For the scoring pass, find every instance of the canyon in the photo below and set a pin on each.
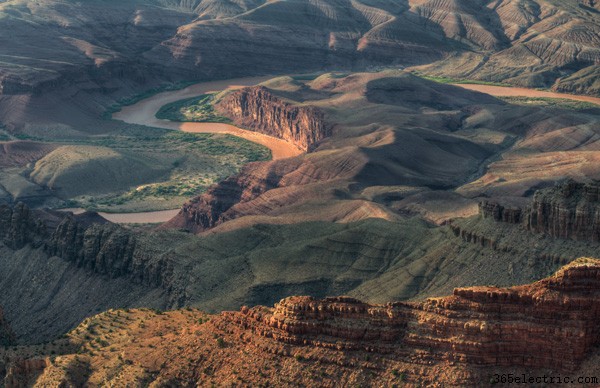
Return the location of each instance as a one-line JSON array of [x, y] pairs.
[[543, 43], [463, 339], [386, 186], [319, 222], [265, 191]]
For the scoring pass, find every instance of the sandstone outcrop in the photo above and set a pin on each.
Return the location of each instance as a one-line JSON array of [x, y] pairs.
[[22, 372], [87, 241], [258, 109], [217, 204], [523, 326], [499, 212], [547, 328]]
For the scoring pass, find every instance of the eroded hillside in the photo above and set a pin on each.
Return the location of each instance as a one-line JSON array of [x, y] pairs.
[[399, 189], [399, 199], [458, 340], [73, 60], [387, 145]]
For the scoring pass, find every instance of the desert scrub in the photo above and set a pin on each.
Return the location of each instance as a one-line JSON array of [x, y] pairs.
[[125, 101], [448, 80], [198, 109], [562, 103], [191, 163]]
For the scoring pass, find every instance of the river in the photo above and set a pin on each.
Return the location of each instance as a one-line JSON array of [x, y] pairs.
[[144, 111]]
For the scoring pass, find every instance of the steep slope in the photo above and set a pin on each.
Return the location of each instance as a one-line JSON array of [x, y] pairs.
[[567, 211], [538, 44], [259, 109], [61, 58], [72, 61], [388, 145], [57, 269], [374, 211], [448, 341]]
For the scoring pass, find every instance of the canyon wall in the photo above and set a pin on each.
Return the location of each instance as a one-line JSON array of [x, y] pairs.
[[547, 328], [570, 210], [18, 226], [217, 204], [258, 109], [88, 241], [500, 213], [106, 249], [552, 323]]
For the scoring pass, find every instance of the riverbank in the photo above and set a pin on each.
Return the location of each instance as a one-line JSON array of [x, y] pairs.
[[143, 113]]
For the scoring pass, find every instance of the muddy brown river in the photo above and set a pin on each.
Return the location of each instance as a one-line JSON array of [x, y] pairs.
[[144, 111]]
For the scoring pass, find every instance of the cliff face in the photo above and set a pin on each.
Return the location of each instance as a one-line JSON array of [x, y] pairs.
[[106, 249], [218, 204], [211, 209], [255, 108], [500, 213], [525, 326], [341, 323], [545, 328], [23, 373], [18, 226], [87, 241], [568, 211], [258, 109]]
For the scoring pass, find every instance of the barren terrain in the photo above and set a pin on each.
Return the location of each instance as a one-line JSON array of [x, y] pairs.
[[396, 193], [440, 342]]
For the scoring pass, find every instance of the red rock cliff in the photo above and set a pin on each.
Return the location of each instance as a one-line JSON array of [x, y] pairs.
[[552, 323], [258, 109]]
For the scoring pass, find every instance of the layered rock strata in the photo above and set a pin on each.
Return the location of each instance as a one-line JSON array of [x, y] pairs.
[[258, 109], [218, 204], [570, 210], [87, 241], [108, 250], [22, 373], [552, 323], [500, 213], [18, 226]]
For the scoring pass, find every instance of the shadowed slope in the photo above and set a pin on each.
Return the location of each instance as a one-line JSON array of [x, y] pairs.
[[457, 340], [388, 129], [72, 61]]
